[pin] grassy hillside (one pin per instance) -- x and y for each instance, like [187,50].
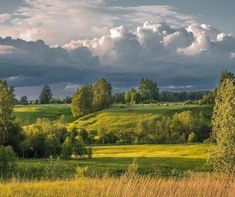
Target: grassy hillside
[29,113]
[154,160]
[125,117]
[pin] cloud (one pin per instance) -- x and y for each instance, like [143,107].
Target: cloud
[232,55]
[34,63]
[174,56]
[58,22]
[160,48]
[71,87]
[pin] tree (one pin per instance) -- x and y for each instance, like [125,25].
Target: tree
[119,98]
[82,101]
[7,160]
[209,99]
[67,149]
[223,155]
[24,100]
[10,133]
[102,95]
[148,90]
[226,75]
[132,97]
[182,125]
[46,95]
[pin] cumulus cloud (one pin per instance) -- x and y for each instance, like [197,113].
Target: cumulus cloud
[175,56]
[32,63]
[58,22]
[160,42]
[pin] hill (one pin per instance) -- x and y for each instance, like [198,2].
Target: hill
[120,118]
[28,114]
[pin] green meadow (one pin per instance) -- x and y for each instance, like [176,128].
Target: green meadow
[116,118]
[28,114]
[155,160]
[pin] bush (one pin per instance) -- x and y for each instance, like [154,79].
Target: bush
[192,137]
[7,160]
[67,149]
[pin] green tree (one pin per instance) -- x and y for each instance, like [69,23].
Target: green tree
[67,149]
[148,90]
[132,97]
[46,95]
[223,155]
[10,133]
[182,124]
[226,75]
[82,101]
[102,95]
[7,160]
[24,100]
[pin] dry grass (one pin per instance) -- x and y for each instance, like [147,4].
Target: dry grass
[195,186]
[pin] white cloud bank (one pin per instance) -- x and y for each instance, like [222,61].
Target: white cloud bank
[160,46]
[59,21]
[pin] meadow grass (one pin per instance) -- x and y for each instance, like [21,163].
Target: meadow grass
[153,160]
[205,185]
[122,118]
[28,114]
[117,118]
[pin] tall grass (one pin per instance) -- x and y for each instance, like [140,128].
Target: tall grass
[193,186]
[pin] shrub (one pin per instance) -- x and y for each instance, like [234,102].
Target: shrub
[67,149]
[192,137]
[7,160]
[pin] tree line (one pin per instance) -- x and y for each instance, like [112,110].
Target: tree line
[147,92]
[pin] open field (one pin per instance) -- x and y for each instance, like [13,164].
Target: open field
[197,185]
[28,114]
[115,119]
[154,160]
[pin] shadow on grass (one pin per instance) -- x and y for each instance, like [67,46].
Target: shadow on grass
[113,166]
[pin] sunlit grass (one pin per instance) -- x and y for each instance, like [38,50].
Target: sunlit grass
[122,118]
[196,185]
[30,113]
[154,160]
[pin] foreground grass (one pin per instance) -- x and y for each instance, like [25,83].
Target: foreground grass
[153,160]
[203,186]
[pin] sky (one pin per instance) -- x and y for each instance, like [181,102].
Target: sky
[182,44]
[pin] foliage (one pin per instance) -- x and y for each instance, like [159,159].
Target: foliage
[67,149]
[132,97]
[167,96]
[7,160]
[182,124]
[192,137]
[148,90]
[10,132]
[102,95]
[46,95]
[24,100]
[223,155]
[82,101]
[88,98]
[44,138]
[122,124]
[209,99]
